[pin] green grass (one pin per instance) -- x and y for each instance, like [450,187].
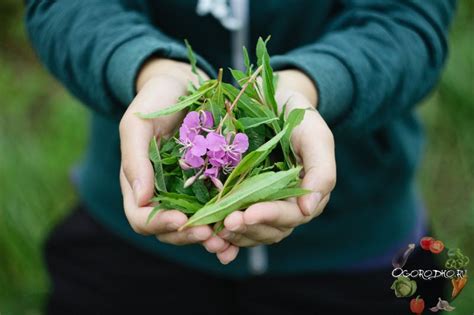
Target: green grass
[43,133]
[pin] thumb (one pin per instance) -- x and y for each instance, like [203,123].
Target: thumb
[314,144]
[135,136]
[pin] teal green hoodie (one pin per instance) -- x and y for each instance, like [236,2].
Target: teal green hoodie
[371,60]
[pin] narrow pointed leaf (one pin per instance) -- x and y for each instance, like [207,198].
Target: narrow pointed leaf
[200,191]
[251,190]
[154,212]
[193,61]
[253,159]
[184,103]
[248,66]
[251,122]
[294,119]
[154,155]
[288,193]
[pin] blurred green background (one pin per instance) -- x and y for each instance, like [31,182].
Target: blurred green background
[43,132]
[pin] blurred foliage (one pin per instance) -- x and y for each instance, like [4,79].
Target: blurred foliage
[43,132]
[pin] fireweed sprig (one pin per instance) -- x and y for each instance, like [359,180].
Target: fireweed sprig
[207,150]
[219,159]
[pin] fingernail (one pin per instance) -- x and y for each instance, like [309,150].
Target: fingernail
[226,234]
[233,227]
[136,188]
[224,262]
[314,200]
[192,237]
[172,226]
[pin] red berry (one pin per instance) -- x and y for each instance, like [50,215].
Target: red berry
[436,247]
[426,242]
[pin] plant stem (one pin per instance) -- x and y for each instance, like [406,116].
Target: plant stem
[219,75]
[234,103]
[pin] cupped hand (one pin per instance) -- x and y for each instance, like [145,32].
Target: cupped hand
[313,143]
[160,83]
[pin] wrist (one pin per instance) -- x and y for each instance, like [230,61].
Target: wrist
[293,81]
[177,70]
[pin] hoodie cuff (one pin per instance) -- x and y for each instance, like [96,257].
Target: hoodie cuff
[128,58]
[332,79]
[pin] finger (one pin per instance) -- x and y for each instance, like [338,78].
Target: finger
[215,244]
[318,157]
[320,207]
[228,255]
[163,222]
[258,234]
[279,214]
[135,136]
[189,236]
[235,222]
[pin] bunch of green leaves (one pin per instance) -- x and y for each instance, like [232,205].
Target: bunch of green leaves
[267,172]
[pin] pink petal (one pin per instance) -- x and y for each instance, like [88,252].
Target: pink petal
[233,158]
[217,162]
[216,154]
[215,141]
[216,158]
[212,172]
[186,134]
[192,120]
[241,142]
[207,121]
[199,147]
[192,160]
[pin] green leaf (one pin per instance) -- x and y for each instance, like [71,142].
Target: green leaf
[200,191]
[154,212]
[167,145]
[248,66]
[216,104]
[286,193]
[252,122]
[267,84]
[249,106]
[184,203]
[184,103]
[294,119]
[261,50]
[267,74]
[250,191]
[256,137]
[193,61]
[172,160]
[239,76]
[218,227]
[154,154]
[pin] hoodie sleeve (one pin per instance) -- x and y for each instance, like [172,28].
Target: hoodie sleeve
[95,48]
[375,60]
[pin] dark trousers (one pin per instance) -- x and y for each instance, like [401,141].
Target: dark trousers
[94,272]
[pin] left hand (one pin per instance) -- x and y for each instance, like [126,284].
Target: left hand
[312,140]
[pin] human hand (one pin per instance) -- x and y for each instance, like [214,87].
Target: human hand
[159,84]
[312,140]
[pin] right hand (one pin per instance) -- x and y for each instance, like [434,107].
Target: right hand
[159,84]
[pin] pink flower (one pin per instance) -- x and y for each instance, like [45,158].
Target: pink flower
[194,144]
[193,124]
[225,152]
[207,121]
[195,149]
[212,153]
